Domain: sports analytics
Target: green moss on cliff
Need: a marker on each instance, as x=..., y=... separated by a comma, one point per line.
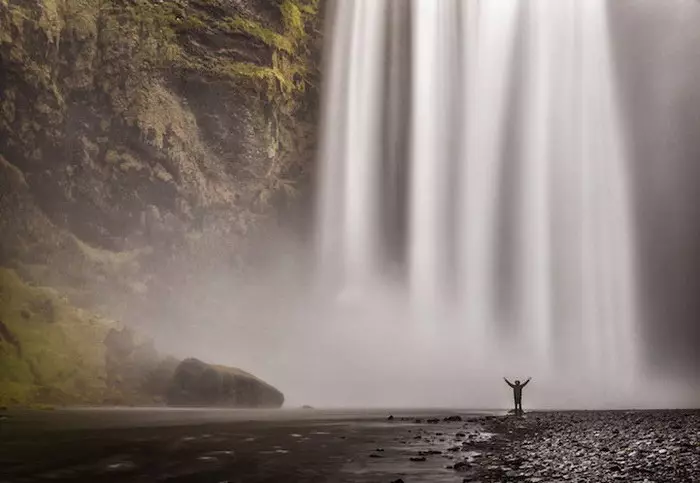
x=53, y=353
x=50, y=352
x=259, y=32
x=122, y=52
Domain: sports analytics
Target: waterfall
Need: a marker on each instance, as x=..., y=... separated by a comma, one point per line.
x=473, y=179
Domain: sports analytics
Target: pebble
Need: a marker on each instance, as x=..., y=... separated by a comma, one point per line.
x=605, y=446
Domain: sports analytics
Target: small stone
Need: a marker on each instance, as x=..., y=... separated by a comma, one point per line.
x=418, y=458
x=390, y=418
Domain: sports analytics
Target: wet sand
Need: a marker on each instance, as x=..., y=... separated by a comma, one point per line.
x=230, y=446
x=344, y=446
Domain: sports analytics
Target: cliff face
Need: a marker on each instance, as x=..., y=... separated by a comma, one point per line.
x=142, y=137
x=54, y=353
x=49, y=351
x=141, y=143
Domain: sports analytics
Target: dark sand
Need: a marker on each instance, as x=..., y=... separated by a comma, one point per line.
x=326, y=446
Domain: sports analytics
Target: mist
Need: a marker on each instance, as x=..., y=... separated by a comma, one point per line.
x=655, y=48
x=363, y=346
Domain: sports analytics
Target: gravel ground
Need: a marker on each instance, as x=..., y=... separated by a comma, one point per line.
x=631, y=446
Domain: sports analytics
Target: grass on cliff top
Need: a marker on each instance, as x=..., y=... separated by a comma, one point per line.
x=57, y=355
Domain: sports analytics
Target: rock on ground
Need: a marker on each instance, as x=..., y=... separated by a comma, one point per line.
x=196, y=383
x=622, y=446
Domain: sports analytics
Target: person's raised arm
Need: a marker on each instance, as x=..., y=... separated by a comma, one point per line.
x=528, y=380
x=508, y=382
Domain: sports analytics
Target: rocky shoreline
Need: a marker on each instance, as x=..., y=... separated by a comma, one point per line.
x=611, y=446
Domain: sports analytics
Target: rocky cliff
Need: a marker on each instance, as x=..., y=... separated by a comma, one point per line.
x=141, y=137
x=142, y=142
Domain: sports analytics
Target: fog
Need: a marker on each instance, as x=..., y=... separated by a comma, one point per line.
x=361, y=345
x=372, y=356
x=656, y=45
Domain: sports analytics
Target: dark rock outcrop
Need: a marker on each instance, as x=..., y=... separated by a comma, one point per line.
x=196, y=383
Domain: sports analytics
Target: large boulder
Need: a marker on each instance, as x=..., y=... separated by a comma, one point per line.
x=196, y=383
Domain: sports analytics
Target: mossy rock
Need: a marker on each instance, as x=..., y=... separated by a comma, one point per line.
x=54, y=353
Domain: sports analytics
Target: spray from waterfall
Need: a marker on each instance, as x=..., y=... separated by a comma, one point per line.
x=474, y=205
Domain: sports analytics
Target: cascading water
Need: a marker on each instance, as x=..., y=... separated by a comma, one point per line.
x=474, y=188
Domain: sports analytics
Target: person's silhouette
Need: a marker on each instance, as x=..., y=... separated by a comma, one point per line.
x=518, y=394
